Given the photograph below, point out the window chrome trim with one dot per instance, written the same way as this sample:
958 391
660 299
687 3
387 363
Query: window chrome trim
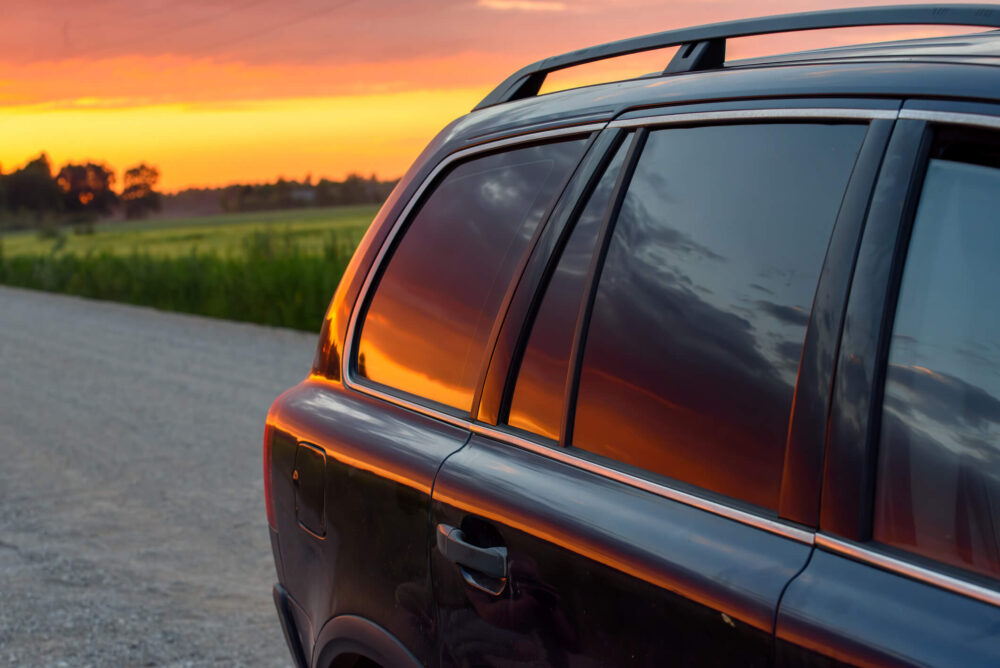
559 454
907 569
365 387
956 118
755 114
772 526
729 512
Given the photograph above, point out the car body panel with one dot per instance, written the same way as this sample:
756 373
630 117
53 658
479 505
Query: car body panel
380 466
844 611
859 602
577 541
603 568
601 573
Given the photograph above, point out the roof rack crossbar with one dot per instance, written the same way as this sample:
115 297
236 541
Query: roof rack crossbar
704 47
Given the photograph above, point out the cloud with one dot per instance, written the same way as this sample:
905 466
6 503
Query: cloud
793 315
949 401
523 5
142 81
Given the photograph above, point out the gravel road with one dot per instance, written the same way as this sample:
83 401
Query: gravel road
132 523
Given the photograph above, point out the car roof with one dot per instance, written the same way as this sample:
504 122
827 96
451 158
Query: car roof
963 67
982 48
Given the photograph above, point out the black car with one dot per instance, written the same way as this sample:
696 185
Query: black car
698 368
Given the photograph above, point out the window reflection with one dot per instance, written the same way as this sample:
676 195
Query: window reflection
428 323
537 403
700 316
938 485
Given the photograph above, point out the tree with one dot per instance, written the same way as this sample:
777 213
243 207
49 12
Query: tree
32 188
137 193
87 190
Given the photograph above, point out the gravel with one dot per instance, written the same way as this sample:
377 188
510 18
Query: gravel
132 522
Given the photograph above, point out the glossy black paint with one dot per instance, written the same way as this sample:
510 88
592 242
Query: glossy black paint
872 79
803 467
806 102
848 477
373 560
600 573
309 478
840 611
293 635
348 636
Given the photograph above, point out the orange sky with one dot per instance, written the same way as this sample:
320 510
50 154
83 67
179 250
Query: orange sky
221 91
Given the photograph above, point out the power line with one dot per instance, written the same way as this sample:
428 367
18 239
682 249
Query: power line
176 28
285 24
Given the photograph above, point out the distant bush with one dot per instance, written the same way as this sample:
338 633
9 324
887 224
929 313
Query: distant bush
273 282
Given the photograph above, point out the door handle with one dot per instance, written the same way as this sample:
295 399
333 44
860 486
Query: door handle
490 561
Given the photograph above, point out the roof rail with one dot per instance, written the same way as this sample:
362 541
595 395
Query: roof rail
704 47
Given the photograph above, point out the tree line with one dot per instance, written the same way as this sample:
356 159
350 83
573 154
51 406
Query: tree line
37 196
77 194
282 194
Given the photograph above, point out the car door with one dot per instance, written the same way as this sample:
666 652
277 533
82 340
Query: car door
354 464
625 496
907 566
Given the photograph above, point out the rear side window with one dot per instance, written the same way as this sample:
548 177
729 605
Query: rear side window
938 480
700 314
426 328
537 402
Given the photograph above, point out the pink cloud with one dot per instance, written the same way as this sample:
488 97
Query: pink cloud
523 5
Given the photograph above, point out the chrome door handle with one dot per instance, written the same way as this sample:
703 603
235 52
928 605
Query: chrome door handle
490 561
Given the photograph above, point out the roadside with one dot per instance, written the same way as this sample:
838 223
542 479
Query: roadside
132 527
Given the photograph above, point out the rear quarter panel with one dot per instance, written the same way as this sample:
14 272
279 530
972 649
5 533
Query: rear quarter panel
372 561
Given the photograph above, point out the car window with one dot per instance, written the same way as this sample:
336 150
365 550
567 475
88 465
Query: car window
537 402
427 325
700 315
938 477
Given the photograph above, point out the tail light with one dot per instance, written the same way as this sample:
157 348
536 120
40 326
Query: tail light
268 497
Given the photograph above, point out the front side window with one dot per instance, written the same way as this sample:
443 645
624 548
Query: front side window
426 328
700 315
938 479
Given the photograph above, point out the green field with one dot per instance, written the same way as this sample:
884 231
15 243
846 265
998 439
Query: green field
273 268
223 234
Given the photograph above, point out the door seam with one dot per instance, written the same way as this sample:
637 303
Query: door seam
781 597
430 547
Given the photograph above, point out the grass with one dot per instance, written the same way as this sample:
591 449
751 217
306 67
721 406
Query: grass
273 268
223 234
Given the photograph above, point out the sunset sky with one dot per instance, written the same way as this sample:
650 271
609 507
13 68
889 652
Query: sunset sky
221 91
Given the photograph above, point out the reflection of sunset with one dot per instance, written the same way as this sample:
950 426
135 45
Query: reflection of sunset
389 341
629 423
305 413
537 409
382 368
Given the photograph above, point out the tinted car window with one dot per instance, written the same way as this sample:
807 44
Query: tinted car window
701 310
938 482
427 325
537 403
